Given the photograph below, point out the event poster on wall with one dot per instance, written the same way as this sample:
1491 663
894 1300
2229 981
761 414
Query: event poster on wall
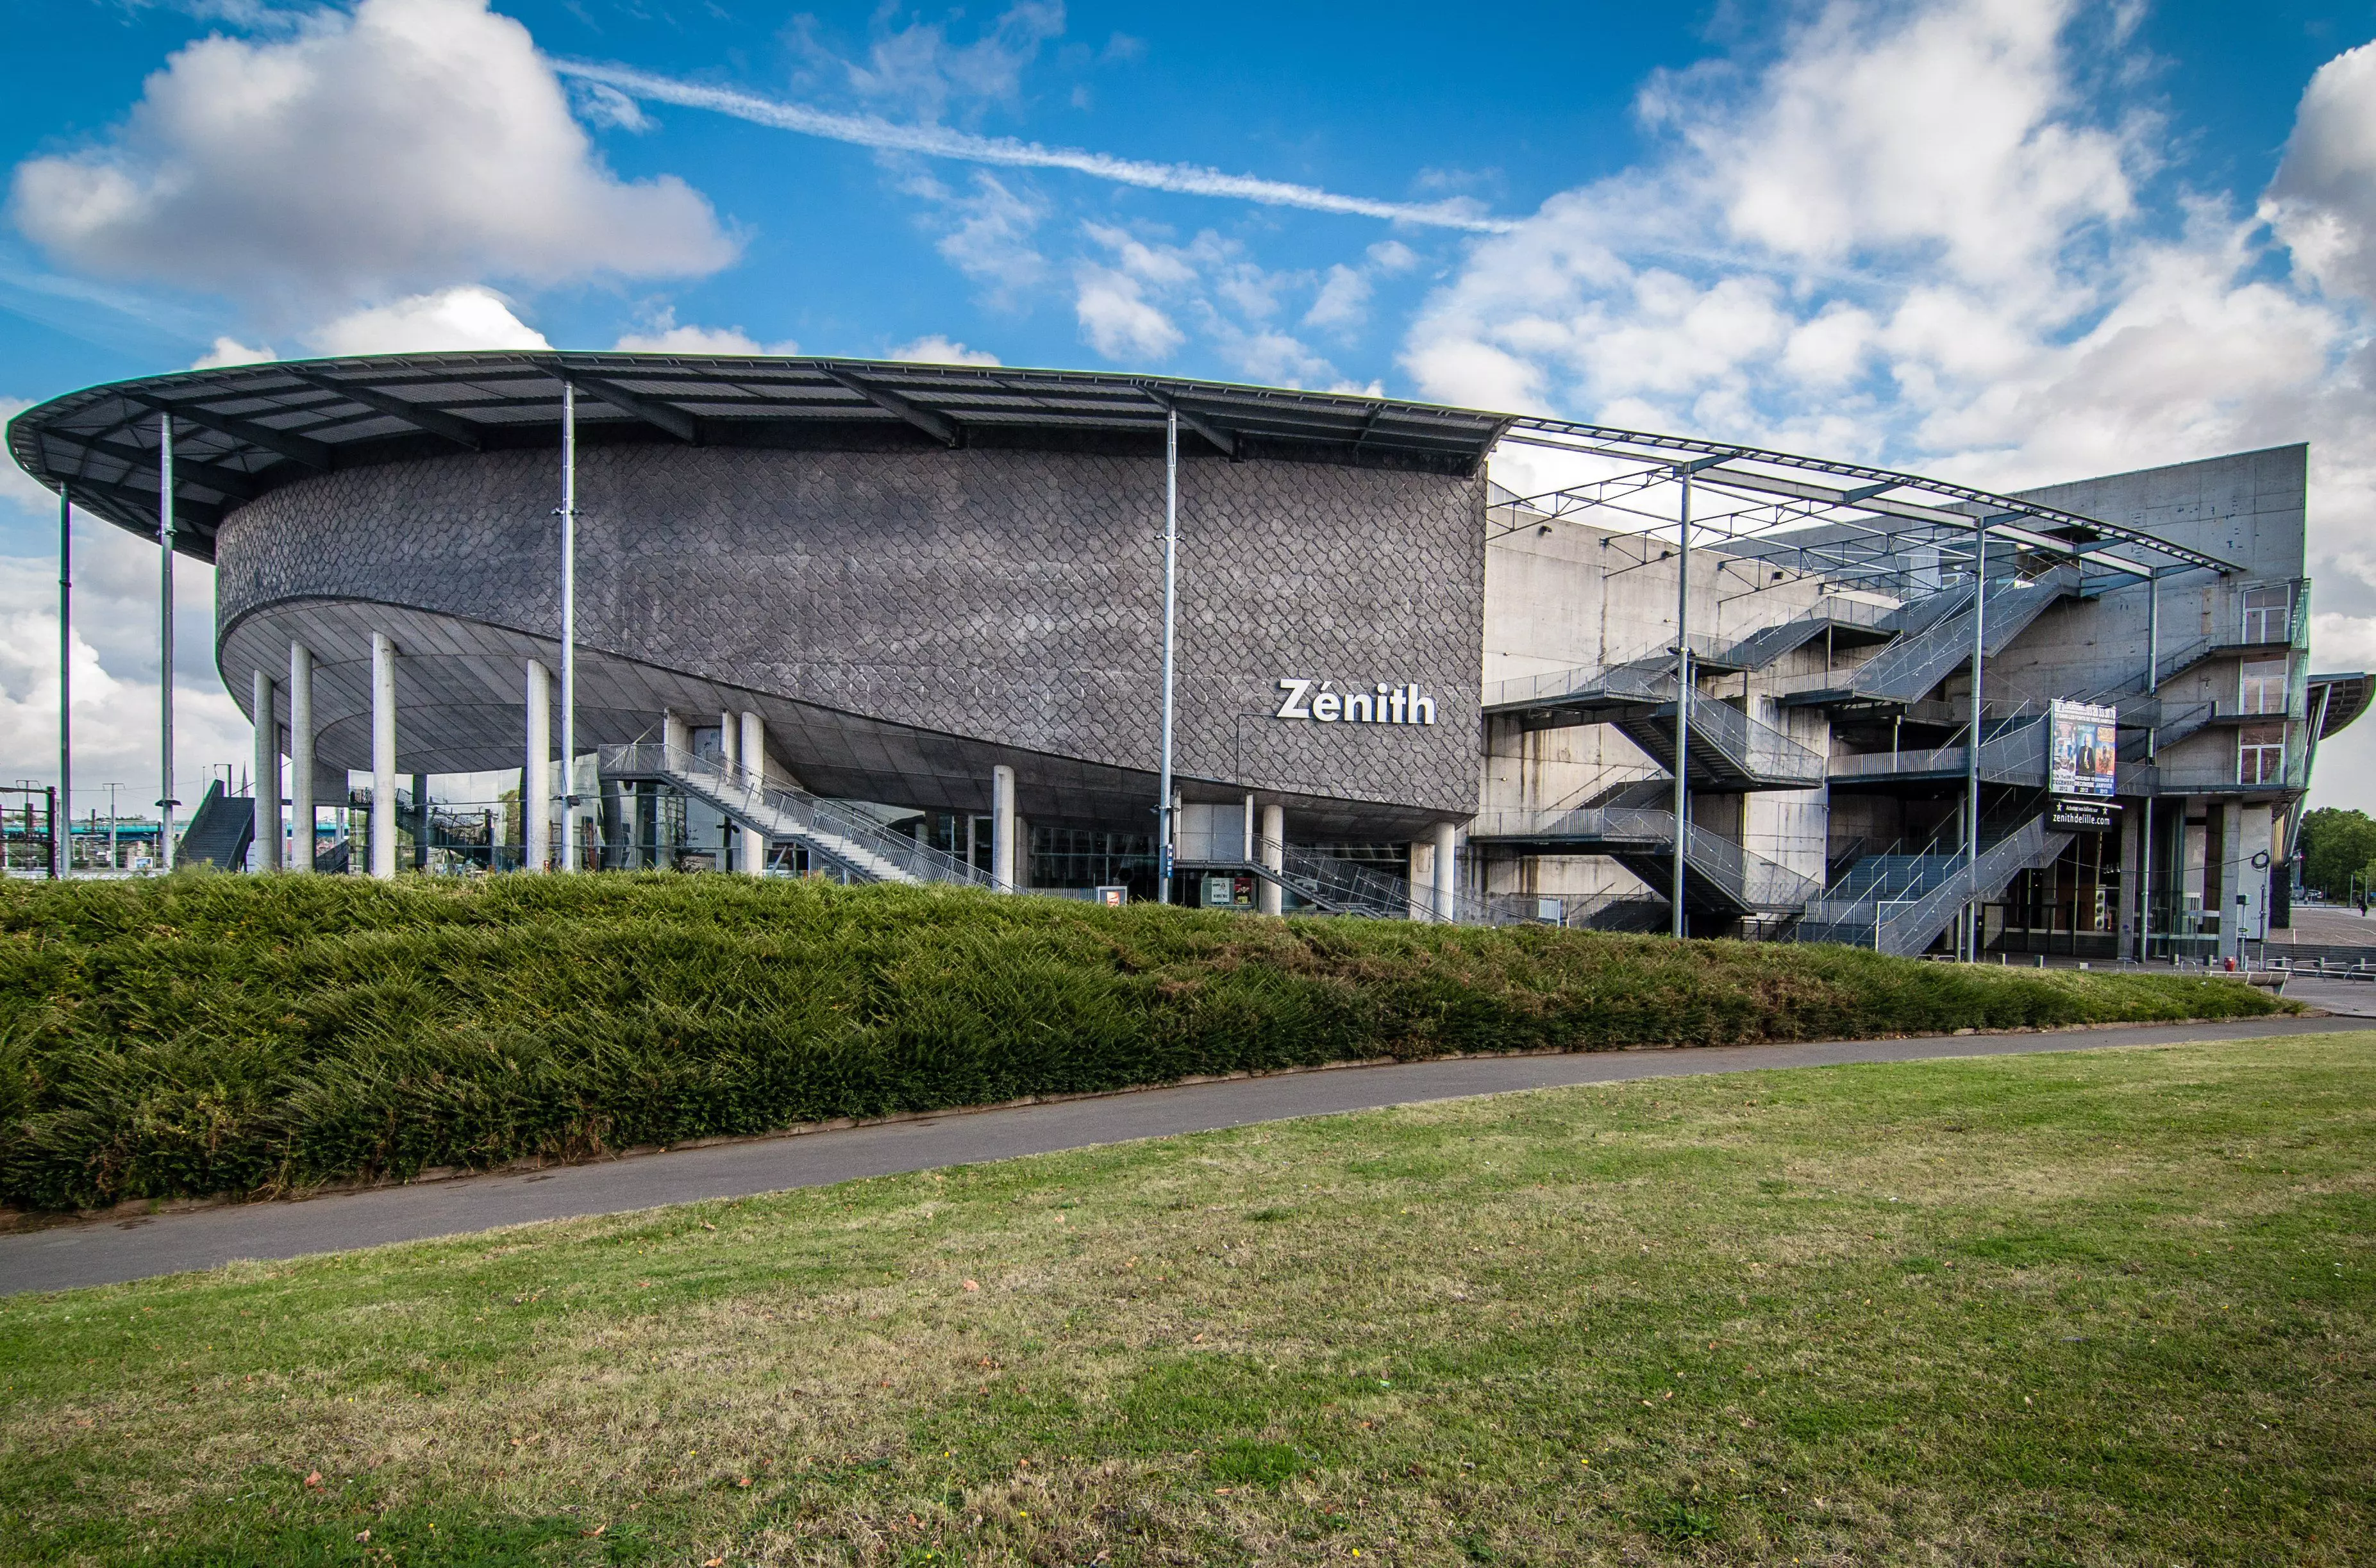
2086 748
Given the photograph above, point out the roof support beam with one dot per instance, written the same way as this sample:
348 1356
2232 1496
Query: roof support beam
663 416
1223 441
295 447
939 426
223 482
460 431
140 505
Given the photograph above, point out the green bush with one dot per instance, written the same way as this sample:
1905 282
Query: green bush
203 1034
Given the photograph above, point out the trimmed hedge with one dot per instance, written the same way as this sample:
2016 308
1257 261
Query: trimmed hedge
203 1034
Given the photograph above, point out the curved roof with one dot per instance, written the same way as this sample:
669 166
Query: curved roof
2346 699
243 430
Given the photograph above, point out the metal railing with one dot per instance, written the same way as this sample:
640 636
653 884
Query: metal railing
1742 875
782 810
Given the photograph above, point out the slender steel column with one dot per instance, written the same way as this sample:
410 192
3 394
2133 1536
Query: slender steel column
536 774
568 625
383 756
1002 828
301 756
1972 799
165 801
1682 693
753 754
1170 598
268 775
61 844
1273 850
2145 885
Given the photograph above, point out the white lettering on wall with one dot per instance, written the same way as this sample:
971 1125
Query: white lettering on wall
1400 703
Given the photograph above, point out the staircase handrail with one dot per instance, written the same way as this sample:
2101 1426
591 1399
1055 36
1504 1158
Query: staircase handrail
731 784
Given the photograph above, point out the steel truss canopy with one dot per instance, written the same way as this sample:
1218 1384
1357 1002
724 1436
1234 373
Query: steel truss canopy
242 431
1863 525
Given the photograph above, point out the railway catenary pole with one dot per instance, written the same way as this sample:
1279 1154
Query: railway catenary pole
1972 769
568 514
1171 603
1683 692
62 849
165 801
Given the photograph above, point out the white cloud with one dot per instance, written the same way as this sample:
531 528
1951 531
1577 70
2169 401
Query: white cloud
918 70
662 335
988 232
399 146
938 350
230 351
1117 320
464 317
1342 302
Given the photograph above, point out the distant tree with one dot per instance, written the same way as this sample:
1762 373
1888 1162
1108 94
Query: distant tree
2334 845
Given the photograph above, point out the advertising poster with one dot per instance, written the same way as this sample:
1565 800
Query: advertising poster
2086 742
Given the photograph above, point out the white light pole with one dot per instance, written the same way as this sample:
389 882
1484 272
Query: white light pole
1683 692
165 801
1972 799
1171 595
114 863
568 514
63 849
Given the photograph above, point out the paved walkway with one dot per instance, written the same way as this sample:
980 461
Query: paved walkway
104 1252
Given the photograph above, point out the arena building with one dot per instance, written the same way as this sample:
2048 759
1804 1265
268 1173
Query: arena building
909 622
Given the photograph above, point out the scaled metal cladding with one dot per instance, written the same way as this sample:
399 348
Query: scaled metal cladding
953 602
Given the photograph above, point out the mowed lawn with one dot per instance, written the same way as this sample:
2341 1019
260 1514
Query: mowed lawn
2099 1308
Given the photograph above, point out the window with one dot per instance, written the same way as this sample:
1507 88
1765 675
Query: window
2261 753
2268 614
2265 686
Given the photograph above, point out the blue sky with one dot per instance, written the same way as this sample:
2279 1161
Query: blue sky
2015 241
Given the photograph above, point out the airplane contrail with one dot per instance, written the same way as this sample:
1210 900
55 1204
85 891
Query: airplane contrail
936 141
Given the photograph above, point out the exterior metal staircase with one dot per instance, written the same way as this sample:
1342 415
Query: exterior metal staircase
220 831
1345 888
2012 750
1719 876
1898 903
784 814
1910 668
1730 751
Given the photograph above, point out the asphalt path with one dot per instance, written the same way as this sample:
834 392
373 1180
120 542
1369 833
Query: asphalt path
107 1251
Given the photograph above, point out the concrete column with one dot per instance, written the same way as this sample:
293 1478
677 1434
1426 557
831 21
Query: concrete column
1272 848
267 777
675 733
1251 834
383 757
300 756
1002 828
536 772
1447 868
2131 883
2255 843
2236 865
1422 870
1022 855
752 750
